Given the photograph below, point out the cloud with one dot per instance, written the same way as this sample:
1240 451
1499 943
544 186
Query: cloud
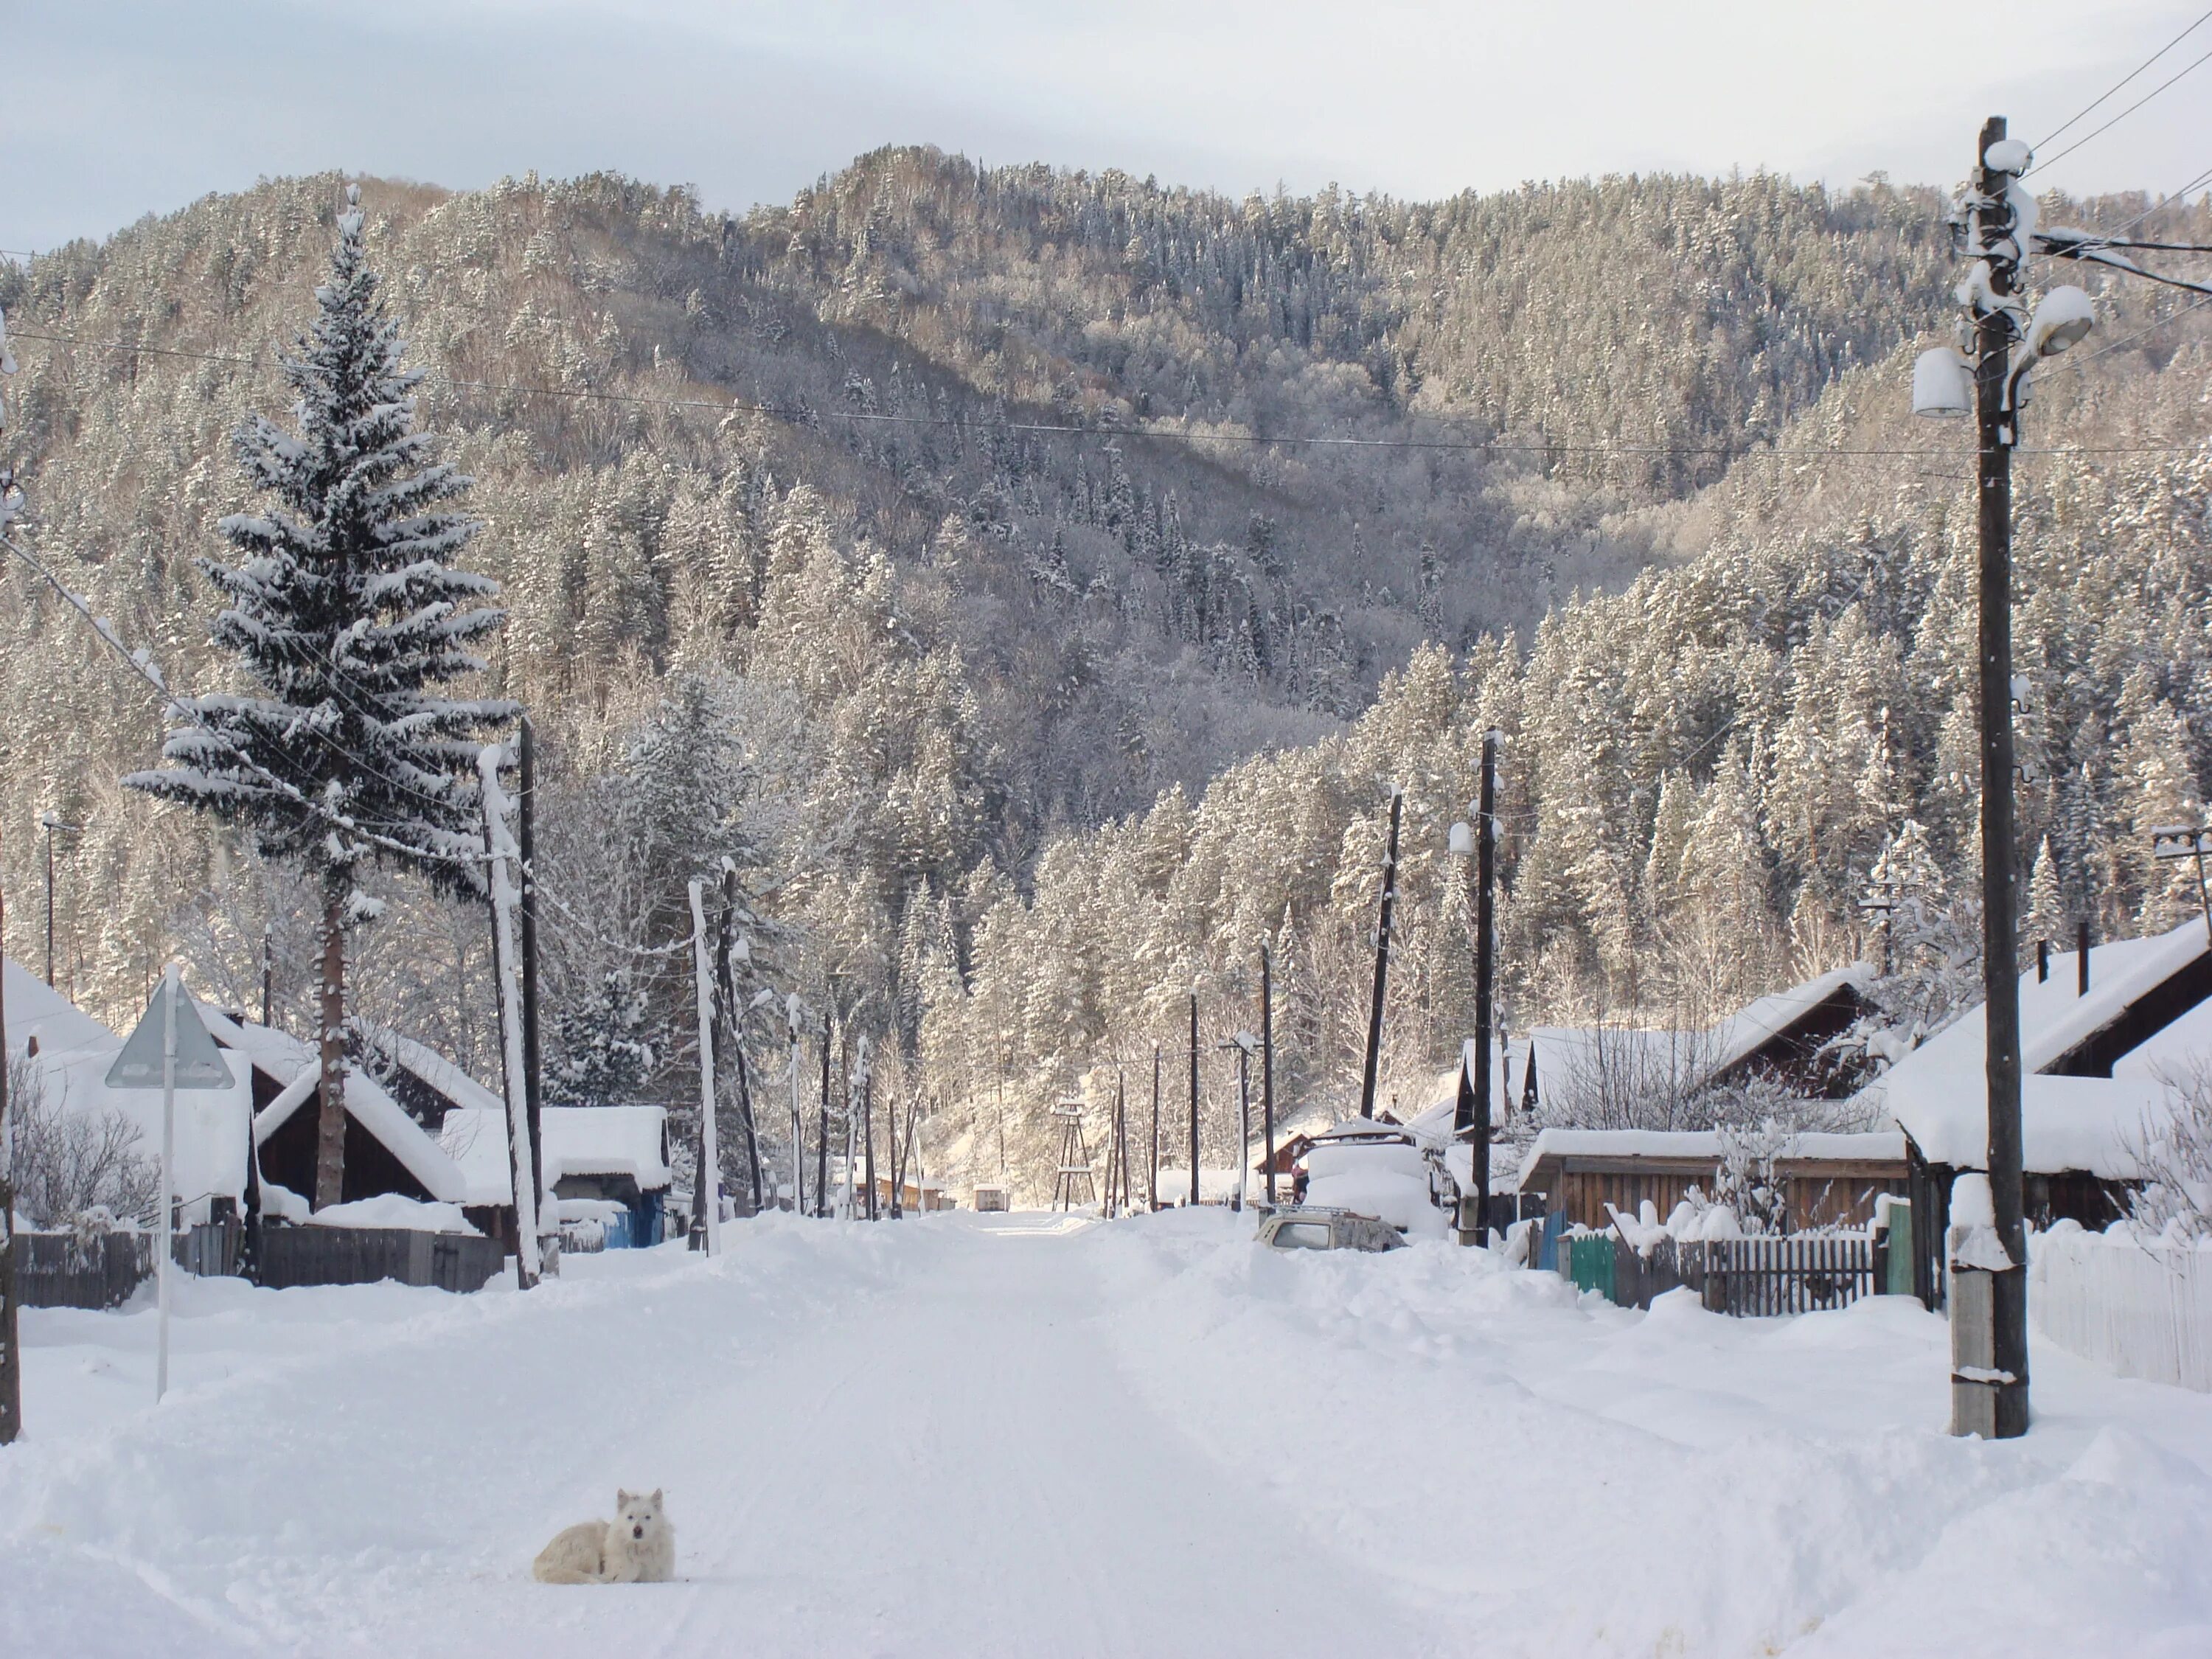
120 107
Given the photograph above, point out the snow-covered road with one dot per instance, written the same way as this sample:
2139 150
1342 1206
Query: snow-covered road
968 1435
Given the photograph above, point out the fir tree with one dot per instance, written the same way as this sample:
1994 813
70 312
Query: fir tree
603 1056
348 616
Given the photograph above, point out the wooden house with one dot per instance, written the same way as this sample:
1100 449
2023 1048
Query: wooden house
2100 1043
1573 1073
1829 1179
386 1150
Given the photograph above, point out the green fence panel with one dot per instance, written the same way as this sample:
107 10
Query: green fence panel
1900 1250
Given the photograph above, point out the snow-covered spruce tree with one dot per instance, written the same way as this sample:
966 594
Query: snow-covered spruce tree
348 616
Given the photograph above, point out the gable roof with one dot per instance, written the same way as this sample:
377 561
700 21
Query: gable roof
1574 1064
1938 1094
290 1063
74 1053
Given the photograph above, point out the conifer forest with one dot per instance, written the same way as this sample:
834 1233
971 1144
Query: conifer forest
1030 584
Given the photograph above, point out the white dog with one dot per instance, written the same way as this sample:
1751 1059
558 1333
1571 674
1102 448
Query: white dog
638 1547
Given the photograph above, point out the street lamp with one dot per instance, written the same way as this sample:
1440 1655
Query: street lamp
50 823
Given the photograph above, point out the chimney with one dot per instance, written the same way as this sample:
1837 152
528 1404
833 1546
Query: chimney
2081 958
2042 960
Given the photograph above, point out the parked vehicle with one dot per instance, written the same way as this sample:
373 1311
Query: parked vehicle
1315 1229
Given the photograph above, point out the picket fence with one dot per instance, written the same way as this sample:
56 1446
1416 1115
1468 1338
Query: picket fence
2143 1311
1744 1278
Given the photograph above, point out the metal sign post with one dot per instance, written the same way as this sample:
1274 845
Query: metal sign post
169 1049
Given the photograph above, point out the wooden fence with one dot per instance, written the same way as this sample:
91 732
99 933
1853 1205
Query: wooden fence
2143 1311
58 1270
1800 1273
294 1257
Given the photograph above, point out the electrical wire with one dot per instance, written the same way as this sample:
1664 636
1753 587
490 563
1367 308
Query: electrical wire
1111 433
183 708
2124 80
2068 366
2126 112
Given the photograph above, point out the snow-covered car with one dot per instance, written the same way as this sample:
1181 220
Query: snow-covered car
1311 1228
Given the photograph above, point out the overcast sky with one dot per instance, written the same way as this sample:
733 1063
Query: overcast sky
110 109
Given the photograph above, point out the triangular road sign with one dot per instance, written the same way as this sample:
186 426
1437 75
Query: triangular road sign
199 1062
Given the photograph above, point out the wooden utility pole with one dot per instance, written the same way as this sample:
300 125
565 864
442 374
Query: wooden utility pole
1995 243
1367 1076
1121 1132
1153 1178
1268 1060
533 1070
1478 1128
11 1362
822 1134
868 1125
1194 1097
731 948
709 1179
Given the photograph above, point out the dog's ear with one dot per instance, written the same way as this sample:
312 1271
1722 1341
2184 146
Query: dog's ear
621 1498
656 1497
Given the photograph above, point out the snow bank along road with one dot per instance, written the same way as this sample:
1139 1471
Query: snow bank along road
983 1436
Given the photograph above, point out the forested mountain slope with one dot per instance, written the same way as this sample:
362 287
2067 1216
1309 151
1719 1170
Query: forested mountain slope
804 566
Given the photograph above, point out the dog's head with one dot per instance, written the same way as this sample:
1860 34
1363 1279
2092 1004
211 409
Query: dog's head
636 1511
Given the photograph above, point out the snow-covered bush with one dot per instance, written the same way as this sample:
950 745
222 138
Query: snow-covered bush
2176 1154
73 1171
1749 1182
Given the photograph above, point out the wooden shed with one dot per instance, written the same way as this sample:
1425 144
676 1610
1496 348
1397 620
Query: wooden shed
1831 1179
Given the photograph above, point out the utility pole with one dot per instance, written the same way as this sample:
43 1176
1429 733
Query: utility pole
1152 1177
797 1124
1121 1132
822 1135
11 1363
1476 1097
710 1179
1367 1076
731 949
533 1074
49 823
1194 1097
1267 1060
505 855
1999 248
868 1125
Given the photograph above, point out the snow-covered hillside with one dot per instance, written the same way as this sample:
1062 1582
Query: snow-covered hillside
975 1435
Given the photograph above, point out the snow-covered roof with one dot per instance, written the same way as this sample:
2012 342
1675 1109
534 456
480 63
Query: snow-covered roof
1704 1147
578 1140
1363 1128
1938 1093
294 1066
1433 1124
628 1141
440 1073
1175 1183
74 1053
1768 1017
34 1009
1575 1060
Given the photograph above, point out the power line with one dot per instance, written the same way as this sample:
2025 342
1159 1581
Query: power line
2126 112
2123 82
139 664
802 416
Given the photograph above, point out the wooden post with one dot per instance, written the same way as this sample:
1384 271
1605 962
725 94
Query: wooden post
1152 1179
11 1363
533 1077
822 1132
1367 1076
709 1178
1998 422
1194 1097
1268 1060
1485 977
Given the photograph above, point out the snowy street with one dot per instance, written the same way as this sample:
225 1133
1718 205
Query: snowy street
967 1435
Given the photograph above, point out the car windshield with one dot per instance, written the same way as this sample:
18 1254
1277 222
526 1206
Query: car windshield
1300 1236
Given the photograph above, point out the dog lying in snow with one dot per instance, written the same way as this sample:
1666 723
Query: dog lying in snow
638 1547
